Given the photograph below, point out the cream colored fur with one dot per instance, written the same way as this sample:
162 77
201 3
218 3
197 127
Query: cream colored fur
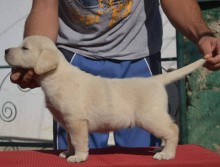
85 103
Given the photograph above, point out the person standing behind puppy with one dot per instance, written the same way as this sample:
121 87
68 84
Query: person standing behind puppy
115 39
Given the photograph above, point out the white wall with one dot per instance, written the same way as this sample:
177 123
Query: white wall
32 120
169 43
22 112
12 17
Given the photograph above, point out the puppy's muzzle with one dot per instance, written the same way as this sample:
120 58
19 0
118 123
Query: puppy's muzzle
7 51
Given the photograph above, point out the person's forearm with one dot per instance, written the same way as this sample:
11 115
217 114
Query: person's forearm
43 19
186 16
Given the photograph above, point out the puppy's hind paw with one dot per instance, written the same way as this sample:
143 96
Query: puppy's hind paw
63 154
164 156
66 154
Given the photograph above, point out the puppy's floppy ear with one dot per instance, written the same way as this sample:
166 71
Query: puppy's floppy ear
47 61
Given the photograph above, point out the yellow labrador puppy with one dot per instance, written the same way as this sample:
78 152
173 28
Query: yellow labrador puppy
84 103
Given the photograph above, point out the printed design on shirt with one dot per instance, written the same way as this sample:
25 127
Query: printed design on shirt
117 9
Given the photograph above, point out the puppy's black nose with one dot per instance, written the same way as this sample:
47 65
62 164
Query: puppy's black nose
6 51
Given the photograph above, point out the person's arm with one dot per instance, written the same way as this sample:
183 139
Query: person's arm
185 15
42 20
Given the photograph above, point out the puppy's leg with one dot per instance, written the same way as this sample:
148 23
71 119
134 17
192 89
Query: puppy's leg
70 151
159 149
170 135
162 126
78 141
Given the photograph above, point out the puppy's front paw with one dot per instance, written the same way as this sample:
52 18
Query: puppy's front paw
164 156
78 158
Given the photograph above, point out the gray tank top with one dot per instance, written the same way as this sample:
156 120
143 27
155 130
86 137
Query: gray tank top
110 29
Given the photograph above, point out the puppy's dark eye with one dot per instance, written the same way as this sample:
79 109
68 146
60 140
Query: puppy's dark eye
24 48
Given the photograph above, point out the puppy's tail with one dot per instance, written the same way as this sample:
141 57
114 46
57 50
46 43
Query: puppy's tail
179 73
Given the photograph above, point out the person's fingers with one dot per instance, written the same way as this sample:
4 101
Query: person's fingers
28 76
33 85
27 79
210 47
16 75
212 66
24 78
213 63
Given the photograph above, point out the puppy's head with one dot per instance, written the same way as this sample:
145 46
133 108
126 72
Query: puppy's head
36 52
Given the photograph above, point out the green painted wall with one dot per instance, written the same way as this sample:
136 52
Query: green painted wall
200 92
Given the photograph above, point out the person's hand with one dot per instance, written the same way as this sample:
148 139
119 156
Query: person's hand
23 77
210 48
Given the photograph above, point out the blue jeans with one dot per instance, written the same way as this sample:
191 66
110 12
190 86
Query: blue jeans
131 137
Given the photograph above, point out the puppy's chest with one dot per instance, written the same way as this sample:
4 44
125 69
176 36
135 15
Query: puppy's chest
55 100
61 98
53 95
